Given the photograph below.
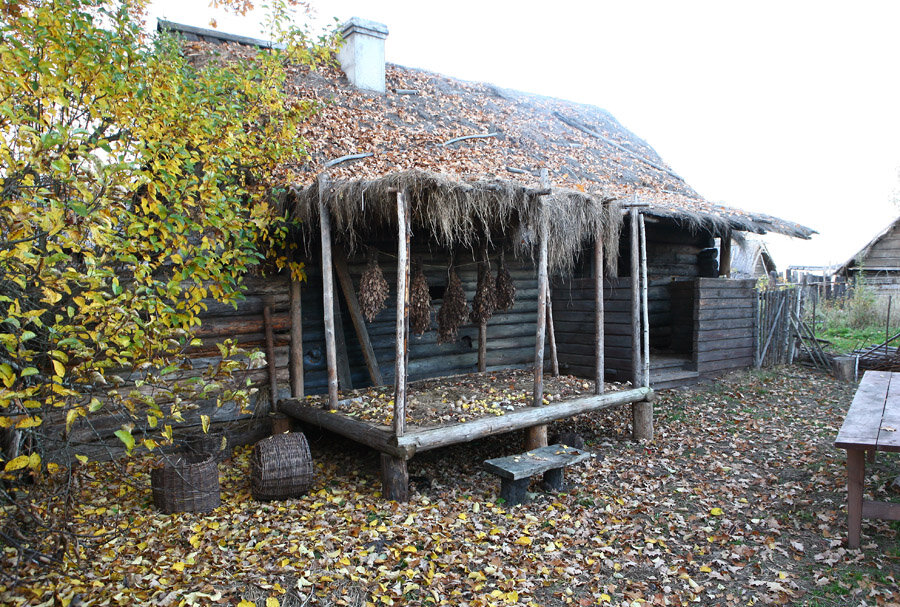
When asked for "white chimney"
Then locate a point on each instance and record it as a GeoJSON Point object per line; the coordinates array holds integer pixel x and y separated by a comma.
{"type": "Point", "coordinates": [362, 54]}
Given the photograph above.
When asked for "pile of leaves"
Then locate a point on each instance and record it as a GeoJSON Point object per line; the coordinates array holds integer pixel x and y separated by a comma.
{"type": "Point", "coordinates": [459, 398]}
{"type": "Point", "coordinates": [738, 500]}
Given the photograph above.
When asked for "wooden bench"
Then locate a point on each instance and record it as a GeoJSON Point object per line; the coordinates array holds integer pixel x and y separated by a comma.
{"type": "Point", "coordinates": [515, 471]}
{"type": "Point", "coordinates": [872, 424]}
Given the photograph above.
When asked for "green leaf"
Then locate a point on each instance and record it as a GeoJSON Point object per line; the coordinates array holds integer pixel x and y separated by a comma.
{"type": "Point", "coordinates": [126, 438]}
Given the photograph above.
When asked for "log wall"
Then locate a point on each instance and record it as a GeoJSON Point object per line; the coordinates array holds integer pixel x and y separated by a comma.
{"type": "Point", "coordinates": [725, 323]}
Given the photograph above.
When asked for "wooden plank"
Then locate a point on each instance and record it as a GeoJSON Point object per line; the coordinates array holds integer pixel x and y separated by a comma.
{"type": "Point", "coordinates": [645, 322]}
{"type": "Point", "coordinates": [889, 429]}
{"type": "Point", "coordinates": [886, 511]}
{"type": "Point", "coordinates": [416, 440]}
{"type": "Point", "coordinates": [345, 377]}
{"type": "Point", "coordinates": [551, 336]}
{"type": "Point", "coordinates": [536, 461]}
{"type": "Point", "coordinates": [858, 430]}
{"type": "Point", "coordinates": [328, 293]}
{"type": "Point", "coordinates": [359, 323]}
{"type": "Point", "coordinates": [727, 364]}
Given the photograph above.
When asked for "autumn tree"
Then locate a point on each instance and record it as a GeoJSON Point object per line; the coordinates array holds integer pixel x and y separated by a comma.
{"type": "Point", "coordinates": [134, 186]}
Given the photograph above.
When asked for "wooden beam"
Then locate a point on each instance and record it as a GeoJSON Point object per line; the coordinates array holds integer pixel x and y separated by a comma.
{"type": "Point", "coordinates": [482, 346]}
{"type": "Point", "coordinates": [328, 294]}
{"type": "Point", "coordinates": [343, 360]}
{"type": "Point", "coordinates": [394, 478]}
{"type": "Point", "coordinates": [402, 344]}
{"type": "Point", "coordinates": [725, 254]}
{"type": "Point", "coordinates": [537, 436]}
{"type": "Point", "coordinates": [359, 323]}
{"type": "Point", "coordinates": [270, 352]}
{"type": "Point", "coordinates": [379, 438]}
{"type": "Point", "coordinates": [433, 438]}
{"type": "Point", "coordinates": [645, 355]}
{"type": "Point", "coordinates": [599, 346]}
{"type": "Point", "coordinates": [551, 335]}
{"type": "Point", "coordinates": [296, 361]}
{"type": "Point", "coordinates": [636, 368]}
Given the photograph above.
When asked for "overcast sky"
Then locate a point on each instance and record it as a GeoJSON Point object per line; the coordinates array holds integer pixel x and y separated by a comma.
{"type": "Point", "coordinates": [788, 108]}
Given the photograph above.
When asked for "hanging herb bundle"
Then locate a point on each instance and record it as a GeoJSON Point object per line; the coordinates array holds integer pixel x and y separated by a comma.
{"type": "Point", "coordinates": [506, 288]}
{"type": "Point", "coordinates": [419, 301]}
{"type": "Point", "coordinates": [373, 288]}
{"type": "Point", "coordinates": [454, 311]}
{"type": "Point", "coordinates": [485, 301]}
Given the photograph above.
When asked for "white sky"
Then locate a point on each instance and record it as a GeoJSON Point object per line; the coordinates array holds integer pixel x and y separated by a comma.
{"type": "Point", "coordinates": [790, 108]}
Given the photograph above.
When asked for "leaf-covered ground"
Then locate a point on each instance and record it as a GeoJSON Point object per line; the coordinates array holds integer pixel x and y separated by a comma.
{"type": "Point", "coordinates": [739, 500]}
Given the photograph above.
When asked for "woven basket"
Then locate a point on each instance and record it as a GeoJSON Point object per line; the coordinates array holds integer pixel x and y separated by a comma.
{"type": "Point", "coordinates": [208, 444]}
{"type": "Point", "coordinates": [186, 483]}
{"type": "Point", "coordinates": [281, 467]}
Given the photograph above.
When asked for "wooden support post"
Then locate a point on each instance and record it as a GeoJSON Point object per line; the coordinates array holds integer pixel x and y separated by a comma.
{"type": "Point", "coordinates": [394, 478]}
{"type": "Point", "coordinates": [482, 347]}
{"type": "Point", "coordinates": [270, 351]}
{"type": "Point", "coordinates": [636, 368]}
{"type": "Point", "coordinates": [359, 324]}
{"type": "Point", "coordinates": [328, 295]}
{"type": "Point", "coordinates": [402, 314]}
{"type": "Point", "coordinates": [297, 387]}
{"type": "Point", "coordinates": [551, 335]}
{"type": "Point", "coordinates": [599, 353]}
{"type": "Point", "coordinates": [645, 307]}
{"type": "Point", "coordinates": [725, 254]}
{"type": "Point", "coordinates": [536, 436]}
{"type": "Point", "coordinates": [856, 472]}
{"type": "Point", "coordinates": [343, 360]}
{"type": "Point", "coordinates": [641, 412]}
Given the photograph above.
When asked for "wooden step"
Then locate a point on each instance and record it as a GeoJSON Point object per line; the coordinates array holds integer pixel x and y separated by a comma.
{"type": "Point", "coordinates": [672, 378]}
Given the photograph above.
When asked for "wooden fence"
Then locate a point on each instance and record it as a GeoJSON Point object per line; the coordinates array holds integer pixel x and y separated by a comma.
{"type": "Point", "coordinates": [776, 307]}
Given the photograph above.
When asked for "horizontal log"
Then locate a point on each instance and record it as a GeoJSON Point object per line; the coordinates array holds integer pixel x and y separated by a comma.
{"type": "Point", "coordinates": [728, 295]}
{"type": "Point", "coordinates": [722, 283]}
{"type": "Point", "coordinates": [416, 440]}
{"type": "Point", "coordinates": [734, 343]}
{"type": "Point", "coordinates": [377, 437]}
{"type": "Point", "coordinates": [717, 355]}
{"type": "Point", "coordinates": [722, 313]}
{"type": "Point", "coordinates": [714, 335]}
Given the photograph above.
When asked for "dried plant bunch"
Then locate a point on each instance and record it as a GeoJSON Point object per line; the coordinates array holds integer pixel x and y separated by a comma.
{"type": "Point", "coordinates": [506, 288]}
{"type": "Point", "coordinates": [419, 300]}
{"type": "Point", "coordinates": [454, 310]}
{"type": "Point", "coordinates": [373, 288]}
{"type": "Point", "coordinates": [485, 300]}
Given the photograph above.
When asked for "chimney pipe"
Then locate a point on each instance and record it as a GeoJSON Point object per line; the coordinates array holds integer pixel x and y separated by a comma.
{"type": "Point", "coordinates": [362, 53]}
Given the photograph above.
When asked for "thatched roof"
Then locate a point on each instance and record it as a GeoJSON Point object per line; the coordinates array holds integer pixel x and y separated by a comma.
{"type": "Point", "coordinates": [445, 136]}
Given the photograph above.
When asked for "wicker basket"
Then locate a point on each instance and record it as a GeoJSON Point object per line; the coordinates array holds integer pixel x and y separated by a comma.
{"type": "Point", "coordinates": [281, 467]}
{"type": "Point", "coordinates": [186, 483]}
{"type": "Point", "coordinates": [208, 444]}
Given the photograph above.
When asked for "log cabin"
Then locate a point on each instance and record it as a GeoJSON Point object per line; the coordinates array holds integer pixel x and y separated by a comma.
{"type": "Point", "coordinates": [614, 257]}
{"type": "Point", "coordinates": [877, 263]}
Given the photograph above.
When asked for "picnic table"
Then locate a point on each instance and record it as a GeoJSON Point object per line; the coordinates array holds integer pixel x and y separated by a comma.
{"type": "Point", "coordinates": [872, 424]}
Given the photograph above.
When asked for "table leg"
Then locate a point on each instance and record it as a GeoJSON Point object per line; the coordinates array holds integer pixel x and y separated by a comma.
{"type": "Point", "coordinates": [856, 472]}
{"type": "Point", "coordinates": [870, 456]}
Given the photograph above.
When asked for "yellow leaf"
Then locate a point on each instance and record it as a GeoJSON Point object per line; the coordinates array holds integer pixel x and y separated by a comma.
{"type": "Point", "coordinates": [34, 461]}
{"type": "Point", "coordinates": [512, 597]}
{"type": "Point", "coordinates": [195, 540]}
{"type": "Point", "coordinates": [246, 603]}
{"type": "Point", "coordinates": [81, 458]}
{"type": "Point", "coordinates": [52, 467]}
{"type": "Point", "coordinates": [272, 602]}
{"type": "Point", "coordinates": [58, 368]}
{"type": "Point", "coordinates": [5, 422]}
{"type": "Point", "coordinates": [204, 421]}
{"type": "Point", "coordinates": [16, 464]}
{"type": "Point", "coordinates": [179, 566]}
{"type": "Point", "coordinates": [717, 512]}
{"type": "Point", "coordinates": [705, 569]}
{"type": "Point", "coordinates": [31, 421]}
{"type": "Point", "coordinates": [524, 541]}
{"type": "Point", "coordinates": [606, 597]}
